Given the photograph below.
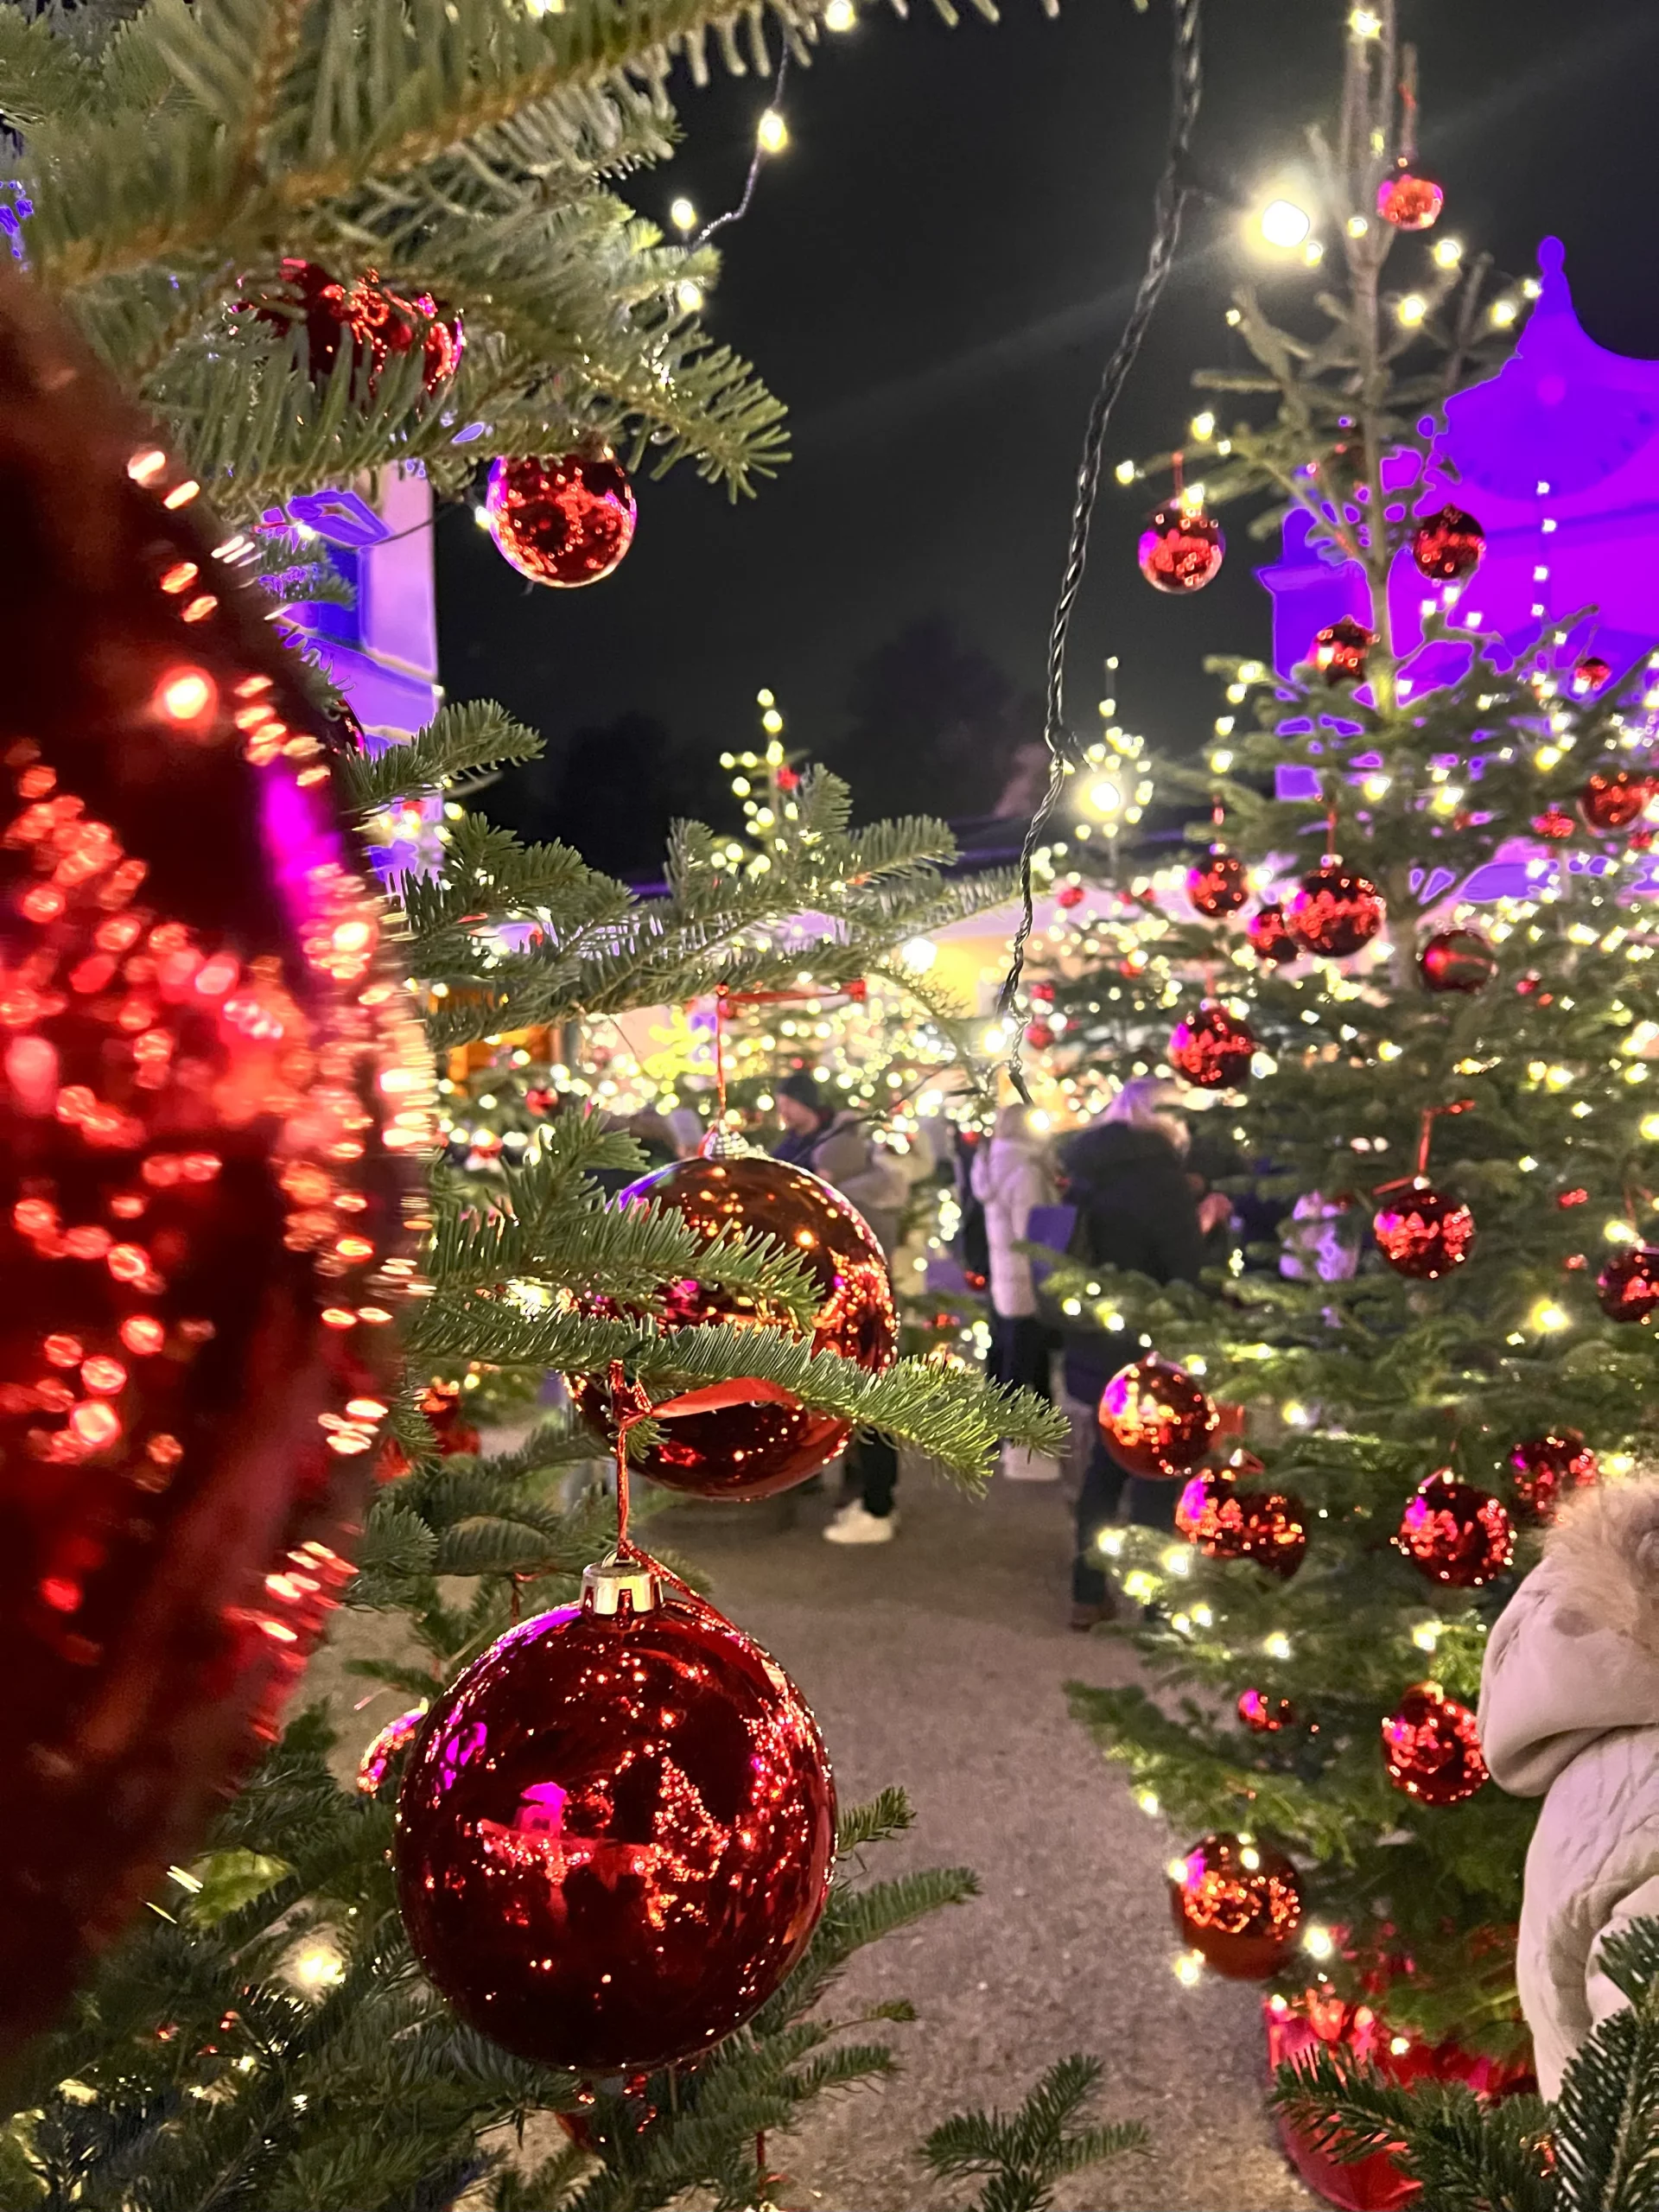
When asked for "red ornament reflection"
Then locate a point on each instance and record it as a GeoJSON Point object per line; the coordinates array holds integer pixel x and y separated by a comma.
{"type": "Point", "coordinates": [1613, 797]}
{"type": "Point", "coordinates": [1270, 936]}
{"type": "Point", "coordinates": [1219, 885]}
{"type": "Point", "coordinates": [1545, 1469]}
{"type": "Point", "coordinates": [1456, 1533]}
{"type": "Point", "coordinates": [1181, 550]}
{"type": "Point", "coordinates": [1448, 546]}
{"type": "Point", "coordinates": [1155, 1419]}
{"type": "Point", "coordinates": [566, 522]}
{"type": "Point", "coordinates": [1214, 1049]}
{"type": "Point", "coordinates": [1238, 1903]}
{"type": "Point", "coordinates": [1409, 200]}
{"type": "Point", "coordinates": [1341, 649]}
{"type": "Point", "coordinates": [1424, 1232]}
{"type": "Point", "coordinates": [1628, 1287]}
{"type": "Point", "coordinates": [1334, 913]}
{"type": "Point", "coordinates": [385, 1750]}
{"type": "Point", "coordinates": [371, 320]}
{"type": "Point", "coordinates": [1431, 1747]}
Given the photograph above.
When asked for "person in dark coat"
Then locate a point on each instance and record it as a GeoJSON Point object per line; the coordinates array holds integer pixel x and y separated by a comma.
{"type": "Point", "coordinates": [1126, 1174]}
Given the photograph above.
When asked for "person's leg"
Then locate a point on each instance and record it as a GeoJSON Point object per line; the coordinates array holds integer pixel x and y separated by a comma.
{"type": "Point", "coordinates": [1027, 1356]}
{"type": "Point", "coordinates": [1151, 1503]}
{"type": "Point", "coordinates": [1098, 1503]}
{"type": "Point", "coordinates": [878, 1467]}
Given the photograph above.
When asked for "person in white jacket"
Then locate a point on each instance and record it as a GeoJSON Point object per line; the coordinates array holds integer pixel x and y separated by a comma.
{"type": "Point", "coordinates": [1569, 1712]}
{"type": "Point", "coordinates": [1009, 1176]}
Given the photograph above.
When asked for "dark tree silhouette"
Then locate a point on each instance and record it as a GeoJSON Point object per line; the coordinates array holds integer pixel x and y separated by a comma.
{"type": "Point", "coordinates": [935, 728]}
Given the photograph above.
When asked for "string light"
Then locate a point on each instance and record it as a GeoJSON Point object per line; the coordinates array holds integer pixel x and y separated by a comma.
{"type": "Point", "coordinates": [840, 15]}
{"type": "Point", "coordinates": [772, 132]}
{"type": "Point", "coordinates": [683, 214]}
{"type": "Point", "coordinates": [1283, 225]}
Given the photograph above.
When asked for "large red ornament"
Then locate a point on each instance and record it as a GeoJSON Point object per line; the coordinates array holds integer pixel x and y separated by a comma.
{"type": "Point", "coordinates": [1273, 1529]}
{"type": "Point", "coordinates": [1457, 1534]}
{"type": "Point", "coordinates": [616, 1832]}
{"type": "Point", "coordinates": [1432, 1747]}
{"type": "Point", "coordinates": [752, 1450]}
{"type": "Point", "coordinates": [1155, 1419]}
{"type": "Point", "coordinates": [1181, 549]}
{"type": "Point", "coordinates": [1340, 650]}
{"type": "Point", "coordinates": [211, 1077]}
{"type": "Point", "coordinates": [1219, 885]}
{"type": "Point", "coordinates": [1545, 1469]}
{"type": "Point", "coordinates": [1457, 960]}
{"type": "Point", "coordinates": [370, 320]}
{"type": "Point", "coordinates": [1334, 913]}
{"type": "Point", "coordinates": [1214, 1049]}
{"type": "Point", "coordinates": [1590, 673]}
{"type": "Point", "coordinates": [1628, 1287]}
{"type": "Point", "coordinates": [1407, 199]}
{"type": "Point", "coordinates": [1238, 1903]}
{"type": "Point", "coordinates": [1270, 936]}
{"type": "Point", "coordinates": [1424, 1232]}
{"type": "Point", "coordinates": [1613, 797]}
{"type": "Point", "coordinates": [1225, 1521]}
{"type": "Point", "coordinates": [1448, 546]}
{"type": "Point", "coordinates": [566, 522]}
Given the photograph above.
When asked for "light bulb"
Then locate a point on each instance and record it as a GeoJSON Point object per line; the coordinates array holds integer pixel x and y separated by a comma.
{"type": "Point", "coordinates": [1363, 24]}
{"type": "Point", "coordinates": [840, 15]}
{"type": "Point", "coordinates": [1504, 313]}
{"type": "Point", "coordinates": [773, 133]}
{"type": "Point", "coordinates": [1283, 224]}
{"type": "Point", "coordinates": [1448, 252]}
{"type": "Point", "coordinates": [919, 954]}
{"type": "Point", "coordinates": [683, 214]}
{"type": "Point", "coordinates": [1546, 1316]}
{"type": "Point", "coordinates": [1411, 310]}
{"type": "Point", "coordinates": [689, 295]}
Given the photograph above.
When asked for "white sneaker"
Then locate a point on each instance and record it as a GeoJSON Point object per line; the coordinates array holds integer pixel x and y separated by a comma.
{"type": "Point", "coordinates": [854, 1525]}
{"type": "Point", "coordinates": [1020, 1465]}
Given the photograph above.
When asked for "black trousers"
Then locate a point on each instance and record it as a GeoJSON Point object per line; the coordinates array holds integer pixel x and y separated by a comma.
{"type": "Point", "coordinates": [1152, 1505]}
{"type": "Point", "coordinates": [1018, 1354]}
{"type": "Point", "coordinates": [872, 1465]}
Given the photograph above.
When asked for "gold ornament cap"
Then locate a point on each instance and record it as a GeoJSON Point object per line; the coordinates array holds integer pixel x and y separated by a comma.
{"type": "Point", "coordinates": [607, 1582]}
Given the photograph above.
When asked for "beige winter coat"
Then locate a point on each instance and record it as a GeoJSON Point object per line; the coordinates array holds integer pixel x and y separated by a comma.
{"type": "Point", "coordinates": [1569, 1711]}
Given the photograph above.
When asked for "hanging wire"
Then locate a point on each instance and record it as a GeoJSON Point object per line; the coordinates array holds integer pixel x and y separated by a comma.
{"type": "Point", "coordinates": [1186, 85]}
{"type": "Point", "coordinates": [736, 214]}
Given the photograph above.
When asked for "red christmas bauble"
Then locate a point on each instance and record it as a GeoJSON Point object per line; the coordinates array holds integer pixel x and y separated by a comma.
{"type": "Point", "coordinates": [1219, 885]}
{"type": "Point", "coordinates": [1554, 823]}
{"type": "Point", "coordinates": [1155, 1419]}
{"type": "Point", "coordinates": [212, 1079]}
{"type": "Point", "coordinates": [1432, 1747]}
{"type": "Point", "coordinates": [1270, 936]}
{"type": "Point", "coordinates": [1069, 894]}
{"type": "Point", "coordinates": [1590, 673]}
{"type": "Point", "coordinates": [1423, 1232]}
{"type": "Point", "coordinates": [371, 320]}
{"type": "Point", "coordinates": [1340, 650]}
{"type": "Point", "coordinates": [616, 1832]}
{"type": "Point", "coordinates": [566, 522]}
{"type": "Point", "coordinates": [1213, 1050]}
{"type": "Point", "coordinates": [1040, 1035]}
{"type": "Point", "coordinates": [1237, 1903]}
{"type": "Point", "coordinates": [753, 1450]}
{"type": "Point", "coordinates": [1457, 960]}
{"type": "Point", "coordinates": [1407, 199]}
{"type": "Point", "coordinates": [1208, 1513]}
{"type": "Point", "coordinates": [1264, 1715]}
{"type": "Point", "coordinates": [1273, 1529]}
{"type": "Point", "coordinates": [441, 1402]}
{"type": "Point", "coordinates": [1334, 913]}
{"type": "Point", "coordinates": [1457, 1534]}
{"type": "Point", "coordinates": [1545, 1469]}
{"type": "Point", "coordinates": [1628, 1287]}
{"type": "Point", "coordinates": [384, 1751]}
{"type": "Point", "coordinates": [1181, 550]}
{"type": "Point", "coordinates": [1613, 797]}
{"type": "Point", "coordinates": [1448, 546]}
{"type": "Point", "coordinates": [1043, 993]}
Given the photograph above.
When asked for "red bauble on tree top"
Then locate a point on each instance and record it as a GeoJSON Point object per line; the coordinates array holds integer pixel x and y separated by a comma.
{"type": "Point", "coordinates": [1457, 960]}
{"type": "Point", "coordinates": [1424, 1232]}
{"type": "Point", "coordinates": [1341, 650]}
{"type": "Point", "coordinates": [1448, 546]}
{"type": "Point", "coordinates": [1219, 885]}
{"type": "Point", "coordinates": [1547, 1468]}
{"type": "Point", "coordinates": [1589, 672]}
{"type": "Point", "coordinates": [616, 1832]}
{"type": "Point", "coordinates": [1334, 914]}
{"type": "Point", "coordinates": [754, 1448]}
{"type": "Point", "coordinates": [1238, 1904]}
{"type": "Point", "coordinates": [1155, 1419]}
{"type": "Point", "coordinates": [1214, 1049]}
{"type": "Point", "coordinates": [213, 1078]}
{"type": "Point", "coordinates": [370, 320]}
{"type": "Point", "coordinates": [1181, 549]}
{"type": "Point", "coordinates": [1628, 1287]}
{"type": "Point", "coordinates": [1456, 1533]}
{"type": "Point", "coordinates": [1270, 936]}
{"type": "Point", "coordinates": [1431, 1746]}
{"type": "Point", "coordinates": [1613, 797]}
{"type": "Point", "coordinates": [566, 522]}
{"type": "Point", "coordinates": [1407, 199]}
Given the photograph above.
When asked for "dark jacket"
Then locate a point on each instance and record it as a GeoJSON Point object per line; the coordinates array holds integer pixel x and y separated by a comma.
{"type": "Point", "coordinates": [1136, 1209]}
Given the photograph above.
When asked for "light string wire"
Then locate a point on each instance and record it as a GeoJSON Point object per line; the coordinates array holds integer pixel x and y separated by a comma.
{"type": "Point", "coordinates": [1186, 85]}
{"type": "Point", "coordinates": [736, 214]}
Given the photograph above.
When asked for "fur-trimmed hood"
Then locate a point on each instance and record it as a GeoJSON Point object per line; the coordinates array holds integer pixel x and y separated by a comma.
{"type": "Point", "coordinates": [1575, 1653]}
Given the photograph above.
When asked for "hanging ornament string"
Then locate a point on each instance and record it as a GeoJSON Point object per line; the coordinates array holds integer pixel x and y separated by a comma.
{"type": "Point", "coordinates": [714, 1397]}
{"type": "Point", "coordinates": [1425, 1138]}
{"type": "Point", "coordinates": [761, 150]}
{"type": "Point", "coordinates": [1186, 87]}
{"type": "Point", "coordinates": [857, 992]}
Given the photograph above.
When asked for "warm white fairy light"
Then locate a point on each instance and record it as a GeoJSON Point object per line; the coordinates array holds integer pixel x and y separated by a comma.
{"type": "Point", "coordinates": [683, 214]}
{"type": "Point", "coordinates": [1284, 224]}
{"type": "Point", "coordinates": [772, 132]}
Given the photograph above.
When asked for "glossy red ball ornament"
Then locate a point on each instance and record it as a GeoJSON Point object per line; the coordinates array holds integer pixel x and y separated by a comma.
{"type": "Point", "coordinates": [1545, 1469]}
{"type": "Point", "coordinates": [1155, 1419]}
{"type": "Point", "coordinates": [566, 522]}
{"type": "Point", "coordinates": [1238, 1903]}
{"type": "Point", "coordinates": [442, 1403]}
{"type": "Point", "coordinates": [1266, 1716]}
{"type": "Point", "coordinates": [1628, 1287]}
{"type": "Point", "coordinates": [370, 320]}
{"type": "Point", "coordinates": [1423, 1232]}
{"type": "Point", "coordinates": [752, 1450]}
{"type": "Point", "coordinates": [1213, 1050]}
{"type": "Point", "coordinates": [1407, 199]}
{"type": "Point", "coordinates": [1069, 895]}
{"type": "Point", "coordinates": [383, 1754]}
{"type": "Point", "coordinates": [1219, 885]}
{"type": "Point", "coordinates": [1333, 912]}
{"type": "Point", "coordinates": [616, 1831]}
{"type": "Point", "coordinates": [1456, 1533]}
{"type": "Point", "coordinates": [1590, 673]}
{"type": "Point", "coordinates": [1613, 797]}
{"type": "Point", "coordinates": [1273, 1530]}
{"type": "Point", "coordinates": [1270, 936]}
{"type": "Point", "coordinates": [1448, 546]}
{"type": "Point", "coordinates": [1040, 1035]}
{"type": "Point", "coordinates": [1181, 550]}
{"type": "Point", "coordinates": [214, 1081]}
{"type": "Point", "coordinates": [1431, 1747]}
{"type": "Point", "coordinates": [1208, 1513]}
{"type": "Point", "coordinates": [1457, 960]}
{"type": "Point", "coordinates": [1340, 650]}
{"type": "Point", "coordinates": [1554, 823]}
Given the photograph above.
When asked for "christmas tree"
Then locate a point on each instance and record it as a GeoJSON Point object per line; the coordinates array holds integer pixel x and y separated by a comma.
{"type": "Point", "coordinates": [313, 243]}
{"type": "Point", "coordinates": [1440, 1104]}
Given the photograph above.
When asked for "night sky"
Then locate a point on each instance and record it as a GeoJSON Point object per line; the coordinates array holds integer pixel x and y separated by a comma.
{"type": "Point", "coordinates": [931, 276]}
